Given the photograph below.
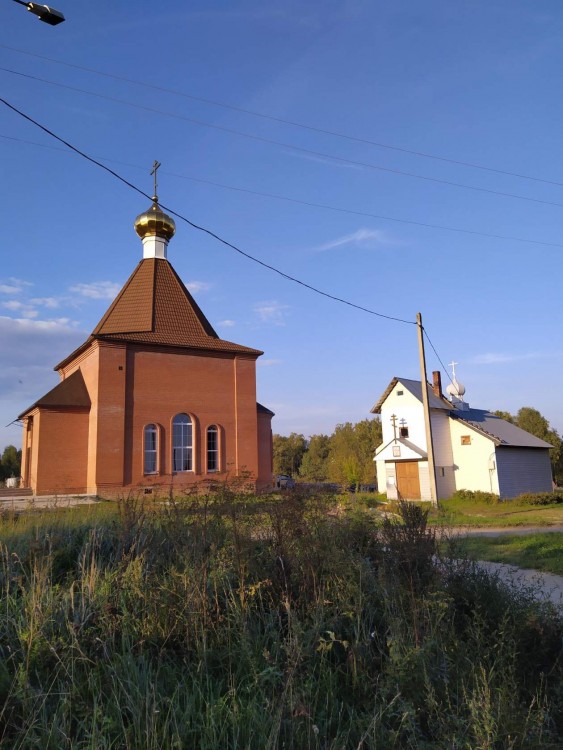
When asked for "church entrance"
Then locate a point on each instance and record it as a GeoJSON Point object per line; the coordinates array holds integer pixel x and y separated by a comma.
{"type": "Point", "coordinates": [408, 483]}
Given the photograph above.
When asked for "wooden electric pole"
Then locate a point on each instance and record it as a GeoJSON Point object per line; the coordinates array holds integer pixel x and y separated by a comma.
{"type": "Point", "coordinates": [426, 408]}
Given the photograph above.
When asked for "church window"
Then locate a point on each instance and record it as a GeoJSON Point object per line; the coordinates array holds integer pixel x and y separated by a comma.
{"type": "Point", "coordinates": [150, 449]}
{"type": "Point", "coordinates": [404, 432]}
{"type": "Point", "coordinates": [466, 439]}
{"type": "Point", "coordinates": [182, 445]}
{"type": "Point", "coordinates": [212, 448]}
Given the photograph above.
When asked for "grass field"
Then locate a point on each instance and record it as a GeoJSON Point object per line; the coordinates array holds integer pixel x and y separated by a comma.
{"type": "Point", "coordinates": [461, 512]}
{"type": "Point", "coordinates": [537, 551]}
{"type": "Point", "coordinates": [223, 623]}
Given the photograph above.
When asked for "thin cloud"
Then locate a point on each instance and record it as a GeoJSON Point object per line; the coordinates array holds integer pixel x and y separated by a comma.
{"type": "Point", "coordinates": [269, 362]}
{"type": "Point", "coordinates": [14, 286]}
{"type": "Point", "coordinates": [366, 239]}
{"type": "Point", "coordinates": [496, 358]}
{"type": "Point", "coordinates": [271, 312]}
{"type": "Point", "coordinates": [49, 302]}
{"type": "Point", "coordinates": [28, 311]}
{"type": "Point", "coordinates": [97, 289]}
{"type": "Point", "coordinates": [198, 286]}
{"type": "Point", "coordinates": [34, 346]}
{"type": "Point", "coordinates": [227, 323]}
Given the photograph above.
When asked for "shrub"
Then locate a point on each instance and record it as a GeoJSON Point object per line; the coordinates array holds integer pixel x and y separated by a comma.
{"type": "Point", "coordinates": [539, 498]}
{"type": "Point", "coordinates": [476, 496]}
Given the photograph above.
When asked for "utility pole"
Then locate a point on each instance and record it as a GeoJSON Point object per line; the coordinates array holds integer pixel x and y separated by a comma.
{"type": "Point", "coordinates": [426, 409]}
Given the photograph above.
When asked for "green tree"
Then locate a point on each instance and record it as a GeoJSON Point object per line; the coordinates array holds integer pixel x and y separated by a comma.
{"type": "Point", "coordinates": [352, 448]}
{"type": "Point", "coordinates": [10, 463]}
{"type": "Point", "coordinates": [314, 467]}
{"type": "Point", "coordinates": [369, 435]}
{"type": "Point", "coordinates": [288, 453]}
{"type": "Point", "coordinates": [504, 415]}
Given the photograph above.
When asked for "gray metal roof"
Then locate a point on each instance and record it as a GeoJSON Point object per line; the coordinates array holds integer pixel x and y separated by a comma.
{"type": "Point", "coordinates": [414, 387]}
{"type": "Point", "coordinates": [503, 432]}
{"type": "Point", "coordinates": [499, 430]}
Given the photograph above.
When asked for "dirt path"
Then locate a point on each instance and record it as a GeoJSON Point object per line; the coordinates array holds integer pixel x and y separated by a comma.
{"type": "Point", "coordinates": [549, 585]}
{"type": "Point", "coordinates": [504, 530]}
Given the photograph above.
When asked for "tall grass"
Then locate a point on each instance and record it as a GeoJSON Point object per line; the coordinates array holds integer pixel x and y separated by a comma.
{"type": "Point", "coordinates": [199, 624]}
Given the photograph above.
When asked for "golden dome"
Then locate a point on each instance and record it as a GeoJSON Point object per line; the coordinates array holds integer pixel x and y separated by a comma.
{"type": "Point", "coordinates": [154, 222]}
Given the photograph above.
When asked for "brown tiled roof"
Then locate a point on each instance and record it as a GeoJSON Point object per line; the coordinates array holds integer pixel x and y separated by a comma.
{"type": "Point", "coordinates": [70, 392]}
{"type": "Point", "coordinates": [154, 307]}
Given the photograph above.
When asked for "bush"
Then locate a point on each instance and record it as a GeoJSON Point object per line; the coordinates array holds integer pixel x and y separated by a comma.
{"type": "Point", "coordinates": [539, 498]}
{"type": "Point", "coordinates": [476, 496]}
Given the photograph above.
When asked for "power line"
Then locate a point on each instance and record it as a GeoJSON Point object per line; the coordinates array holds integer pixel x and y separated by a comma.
{"type": "Point", "coordinates": [299, 149]}
{"type": "Point", "coordinates": [281, 120]}
{"type": "Point", "coordinates": [310, 204]}
{"type": "Point", "coordinates": [200, 228]}
{"type": "Point", "coordinates": [436, 353]}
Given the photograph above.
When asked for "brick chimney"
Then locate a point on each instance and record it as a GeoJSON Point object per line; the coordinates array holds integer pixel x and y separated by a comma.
{"type": "Point", "coordinates": [437, 384]}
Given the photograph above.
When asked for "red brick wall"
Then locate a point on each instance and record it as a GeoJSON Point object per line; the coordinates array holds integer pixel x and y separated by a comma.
{"type": "Point", "coordinates": [212, 390]}
{"type": "Point", "coordinates": [130, 387]}
{"type": "Point", "coordinates": [59, 452]}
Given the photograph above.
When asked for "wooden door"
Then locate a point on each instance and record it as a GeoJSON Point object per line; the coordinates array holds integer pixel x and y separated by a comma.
{"type": "Point", "coordinates": [408, 483]}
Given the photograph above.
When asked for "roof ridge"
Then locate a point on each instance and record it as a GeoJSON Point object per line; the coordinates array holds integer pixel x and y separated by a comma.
{"type": "Point", "coordinates": [208, 328]}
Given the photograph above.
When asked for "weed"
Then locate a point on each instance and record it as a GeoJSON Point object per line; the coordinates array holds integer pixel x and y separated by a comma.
{"type": "Point", "coordinates": [225, 620]}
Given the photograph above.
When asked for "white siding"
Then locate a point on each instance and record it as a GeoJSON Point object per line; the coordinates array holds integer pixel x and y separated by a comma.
{"type": "Point", "coordinates": [424, 479]}
{"type": "Point", "coordinates": [405, 407]}
{"type": "Point", "coordinates": [443, 455]}
{"type": "Point", "coordinates": [445, 481]}
{"type": "Point", "coordinates": [474, 464]}
{"type": "Point", "coordinates": [381, 476]}
{"type": "Point", "coordinates": [523, 470]}
{"type": "Point", "coordinates": [441, 438]}
{"type": "Point", "coordinates": [391, 481]}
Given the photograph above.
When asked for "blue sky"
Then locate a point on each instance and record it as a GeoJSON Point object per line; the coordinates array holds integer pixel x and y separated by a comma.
{"type": "Point", "coordinates": [469, 82]}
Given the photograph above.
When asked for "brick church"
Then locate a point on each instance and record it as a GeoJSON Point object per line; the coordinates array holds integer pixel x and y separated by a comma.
{"type": "Point", "coordinates": [152, 397]}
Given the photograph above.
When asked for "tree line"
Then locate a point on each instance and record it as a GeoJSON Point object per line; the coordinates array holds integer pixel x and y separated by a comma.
{"type": "Point", "coordinates": [345, 457]}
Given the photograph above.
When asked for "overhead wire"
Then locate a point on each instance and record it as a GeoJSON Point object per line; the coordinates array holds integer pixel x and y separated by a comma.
{"type": "Point", "coordinates": [282, 144]}
{"type": "Point", "coordinates": [284, 121]}
{"type": "Point", "coordinates": [425, 333]}
{"type": "Point", "coordinates": [200, 228]}
{"type": "Point", "coordinates": [310, 204]}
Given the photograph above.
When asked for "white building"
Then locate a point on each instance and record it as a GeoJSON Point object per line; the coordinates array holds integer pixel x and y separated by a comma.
{"type": "Point", "coordinates": [473, 449]}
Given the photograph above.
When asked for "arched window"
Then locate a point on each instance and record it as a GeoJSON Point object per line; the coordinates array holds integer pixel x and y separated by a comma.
{"type": "Point", "coordinates": [150, 449]}
{"type": "Point", "coordinates": [182, 445]}
{"type": "Point", "coordinates": [212, 448]}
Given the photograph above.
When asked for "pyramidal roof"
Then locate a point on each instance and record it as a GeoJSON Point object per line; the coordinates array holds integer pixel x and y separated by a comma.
{"type": "Point", "coordinates": [154, 307]}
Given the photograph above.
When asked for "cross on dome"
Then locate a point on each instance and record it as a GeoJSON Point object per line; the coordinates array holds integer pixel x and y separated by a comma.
{"type": "Point", "coordinates": [153, 226]}
{"type": "Point", "coordinates": [455, 390]}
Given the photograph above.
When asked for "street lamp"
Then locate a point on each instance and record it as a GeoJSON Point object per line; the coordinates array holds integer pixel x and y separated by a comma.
{"type": "Point", "coordinates": [43, 12]}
